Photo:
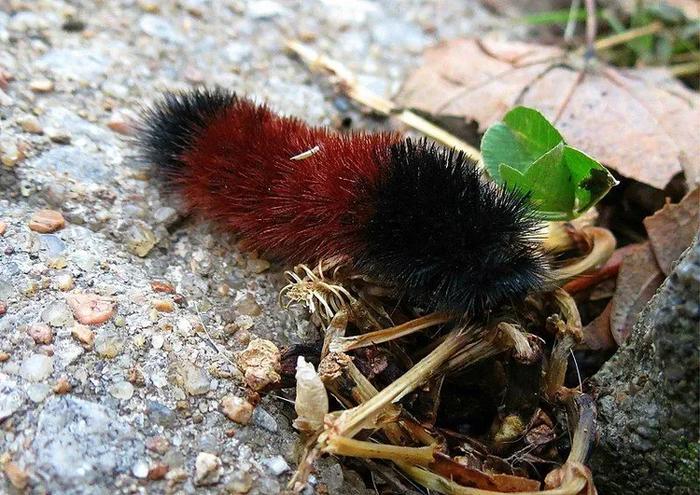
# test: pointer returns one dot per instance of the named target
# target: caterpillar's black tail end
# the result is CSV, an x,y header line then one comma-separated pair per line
x,y
169,127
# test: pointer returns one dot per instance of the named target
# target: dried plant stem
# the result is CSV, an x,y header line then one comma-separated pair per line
x,y
624,37
349,85
581,412
492,342
352,421
387,334
421,456
686,69
603,245
342,378
568,335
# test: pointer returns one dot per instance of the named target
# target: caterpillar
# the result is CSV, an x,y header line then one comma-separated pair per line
x,y
405,212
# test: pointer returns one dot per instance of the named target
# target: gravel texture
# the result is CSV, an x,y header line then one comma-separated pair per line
x,y
107,385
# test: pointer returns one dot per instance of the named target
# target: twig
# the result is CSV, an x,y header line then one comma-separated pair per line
x,y
571,22
591,28
372,338
568,335
625,36
349,85
421,456
686,69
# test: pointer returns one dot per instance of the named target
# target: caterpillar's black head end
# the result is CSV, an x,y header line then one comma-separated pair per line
x,y
169,127
449,238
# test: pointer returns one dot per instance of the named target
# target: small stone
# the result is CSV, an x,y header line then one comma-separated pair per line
x,y
162,287
37,392
135,377
176,475
164,305
30,124
58,136
157,341
36,368
10,153
84,335
260,363
90,309
264,9
241,482
108,345
65,281
276,464
158,444
247,305
123,391
158,472
62,386
139,239
165,215
41,85
207,469
257,265
140,469
57,314
41,333
17,476
4,356
46,221
237,409
3,228
121,122
196,380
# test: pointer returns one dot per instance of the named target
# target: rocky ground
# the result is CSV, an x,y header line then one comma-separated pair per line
x,y
118,328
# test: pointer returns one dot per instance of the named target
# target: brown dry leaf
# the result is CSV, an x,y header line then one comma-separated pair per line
x,y
467,476
672,229
640,122
637,282
597,335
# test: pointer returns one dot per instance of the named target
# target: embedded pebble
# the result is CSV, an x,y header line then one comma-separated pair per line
x,y
57,314
58,136
157,341
164,305
41,333
140,469
46,221
237,409
41,85
208,468
258,265
140,239
84,335
90,309
65,281
158,472
260,363
196,380
247,305
276,464
30,123
4,356
121,122
122,390
17,476
36,368
108,345
37,392
62,386
3,228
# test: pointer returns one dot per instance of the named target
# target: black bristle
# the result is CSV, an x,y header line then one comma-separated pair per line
x,y
449,238
169,127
